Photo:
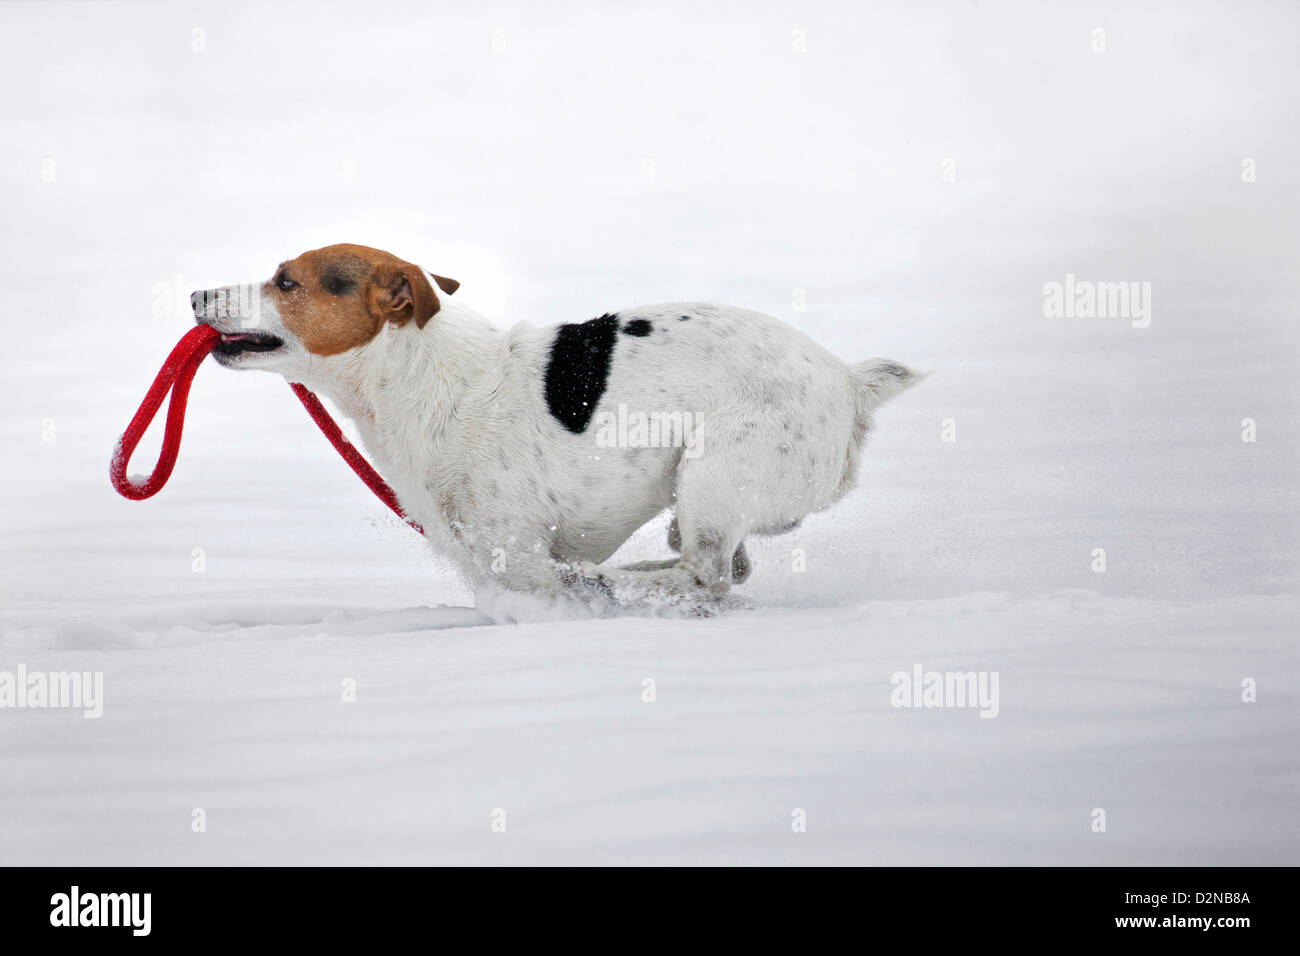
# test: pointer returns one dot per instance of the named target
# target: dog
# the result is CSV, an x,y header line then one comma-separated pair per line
x,y
530,455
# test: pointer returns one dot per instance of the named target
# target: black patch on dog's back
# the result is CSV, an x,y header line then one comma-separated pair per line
x,y
577,370
638,327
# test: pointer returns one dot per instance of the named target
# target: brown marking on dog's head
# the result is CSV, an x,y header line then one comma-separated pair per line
x,y
339,297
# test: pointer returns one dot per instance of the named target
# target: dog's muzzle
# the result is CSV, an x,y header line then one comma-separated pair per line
x,y
233,311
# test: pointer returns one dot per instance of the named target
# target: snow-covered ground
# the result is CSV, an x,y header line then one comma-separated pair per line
x,y
789,158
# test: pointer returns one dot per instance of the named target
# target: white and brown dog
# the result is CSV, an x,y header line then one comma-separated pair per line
x,y
530,456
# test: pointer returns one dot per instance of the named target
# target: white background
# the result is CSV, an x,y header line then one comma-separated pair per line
x,y
568,161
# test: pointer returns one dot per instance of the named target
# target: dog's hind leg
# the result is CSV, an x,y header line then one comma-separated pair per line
x,y
717,505
741,566
674,535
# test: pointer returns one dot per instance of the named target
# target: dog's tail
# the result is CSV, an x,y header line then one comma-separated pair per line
x,y
879,379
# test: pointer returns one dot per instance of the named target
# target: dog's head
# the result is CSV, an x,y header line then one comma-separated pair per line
x,y
325,302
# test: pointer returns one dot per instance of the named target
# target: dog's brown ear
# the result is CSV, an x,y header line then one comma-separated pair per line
x,y
446,285
399,292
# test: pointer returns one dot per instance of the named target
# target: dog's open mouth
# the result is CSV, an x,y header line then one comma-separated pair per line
x,y
233,344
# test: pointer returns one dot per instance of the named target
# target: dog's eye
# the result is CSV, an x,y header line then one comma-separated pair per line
x,y
285,283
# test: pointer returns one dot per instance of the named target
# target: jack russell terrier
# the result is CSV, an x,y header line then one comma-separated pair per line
x,y
530,456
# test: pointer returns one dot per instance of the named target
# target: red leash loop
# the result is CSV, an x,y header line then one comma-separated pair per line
x,y
175,376
179,369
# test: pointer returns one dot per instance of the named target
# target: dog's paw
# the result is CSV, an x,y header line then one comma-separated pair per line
x,y
586,580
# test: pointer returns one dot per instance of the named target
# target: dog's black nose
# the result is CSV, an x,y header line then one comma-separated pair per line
x,y
195,299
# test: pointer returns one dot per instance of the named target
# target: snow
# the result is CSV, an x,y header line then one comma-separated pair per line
x,y
652,154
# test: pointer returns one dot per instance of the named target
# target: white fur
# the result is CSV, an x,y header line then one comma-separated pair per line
x,y
455,416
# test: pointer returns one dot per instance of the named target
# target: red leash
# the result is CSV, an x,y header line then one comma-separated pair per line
x,y
175,376
374,481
